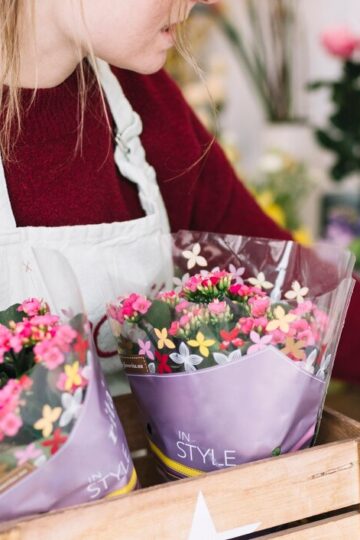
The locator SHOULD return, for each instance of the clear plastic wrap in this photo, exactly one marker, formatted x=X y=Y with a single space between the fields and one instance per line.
x=231 y=380
x=61 y=442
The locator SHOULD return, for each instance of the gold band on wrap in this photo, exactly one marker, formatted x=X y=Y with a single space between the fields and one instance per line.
x=130 y=486
x=184 y=470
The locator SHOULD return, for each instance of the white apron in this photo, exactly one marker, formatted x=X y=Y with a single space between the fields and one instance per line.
x=108 y=259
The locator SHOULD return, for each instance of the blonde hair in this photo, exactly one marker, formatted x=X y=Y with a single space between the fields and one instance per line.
x=12 y=14
x=11 y=21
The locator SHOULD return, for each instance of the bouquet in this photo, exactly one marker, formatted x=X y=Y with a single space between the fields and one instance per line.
x=61 y=442
x=232 y=365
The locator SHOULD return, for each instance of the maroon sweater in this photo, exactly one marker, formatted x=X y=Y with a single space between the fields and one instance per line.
x=51 y=185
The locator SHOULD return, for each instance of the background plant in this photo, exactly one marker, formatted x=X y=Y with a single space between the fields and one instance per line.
x=264 y=41
x=341 y=135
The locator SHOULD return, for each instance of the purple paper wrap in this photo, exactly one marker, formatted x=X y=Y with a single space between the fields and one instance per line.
x=94 y=462
x=220 y=417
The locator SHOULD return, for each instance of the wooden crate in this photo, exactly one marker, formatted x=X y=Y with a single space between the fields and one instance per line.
x=312 y=494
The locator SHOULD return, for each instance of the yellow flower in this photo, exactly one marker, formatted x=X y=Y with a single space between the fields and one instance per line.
x=202 y=343
x=73 y=377
x=275 y=212
x=164 y=341
x=302 y=236
x=49 y=416
x=265 y=200
x=295 y=348
x=281 y=320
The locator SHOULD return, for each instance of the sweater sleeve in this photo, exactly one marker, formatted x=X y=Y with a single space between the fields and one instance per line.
x=222 y=203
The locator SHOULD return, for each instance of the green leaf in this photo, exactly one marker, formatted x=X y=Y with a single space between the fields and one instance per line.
x=276 y=452
x=11 y=314
x=317 y=85
x=159 y=315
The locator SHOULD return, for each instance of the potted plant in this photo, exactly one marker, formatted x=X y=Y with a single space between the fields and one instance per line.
x=341 y=135
x=264 y=38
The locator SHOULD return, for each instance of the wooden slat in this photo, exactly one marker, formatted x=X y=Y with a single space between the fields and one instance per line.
x=273 y=492
x=335 y=426
x=344 y=527
x=130 y=417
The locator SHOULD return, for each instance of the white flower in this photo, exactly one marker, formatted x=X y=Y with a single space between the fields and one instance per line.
x=297 y=293
x=180 y=282
x=237 y=273
x=152 y=368
x=86 y=373
x=184 y=357
x=323 y=371
x=271 y=163
x=309 y=363
x=260 y=281
x=40 y=461
x=222 y=359
x=194 y=257
x=72 y=406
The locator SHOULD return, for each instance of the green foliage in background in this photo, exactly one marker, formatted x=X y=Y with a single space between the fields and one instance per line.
x=342 y=134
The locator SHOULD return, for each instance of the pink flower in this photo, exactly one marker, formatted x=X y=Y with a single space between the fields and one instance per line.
x=23 y=330
x=31 y=306
x=259 y=306
x=193 y=282
x=25 y=382
x=29 y=453
x=321 y=318
x=44 y=320
x=340 y=41
x=48 y=353
x=184 y=304
x=145 y=349
x=307 y=336
x=141 y=305
x=60 y=383
x=303 y=308
x=10 y=425
x=217 y=308
x=259 y=342
x=278 y=337
x=184 y=320
x=16 y=343
x=5 y=337
x=260 y=324
x=246 y=325
x=64 y=336
x=174 y=328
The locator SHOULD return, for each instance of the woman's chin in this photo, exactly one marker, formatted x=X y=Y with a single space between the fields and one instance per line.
x=150 y=65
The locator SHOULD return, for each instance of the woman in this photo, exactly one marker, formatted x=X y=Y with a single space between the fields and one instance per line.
x=61 y=186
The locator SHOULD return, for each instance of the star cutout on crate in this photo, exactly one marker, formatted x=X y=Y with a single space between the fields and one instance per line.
x=203 y=527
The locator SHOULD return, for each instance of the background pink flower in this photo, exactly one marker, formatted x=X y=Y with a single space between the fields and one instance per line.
x=48 y=353
x=340 y=41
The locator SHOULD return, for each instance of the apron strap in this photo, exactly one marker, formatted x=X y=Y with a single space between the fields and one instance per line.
x=129 y=153
x=7 y=219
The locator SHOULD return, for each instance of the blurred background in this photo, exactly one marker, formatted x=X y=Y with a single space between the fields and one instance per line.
x=284 y=81
x=284 y=76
